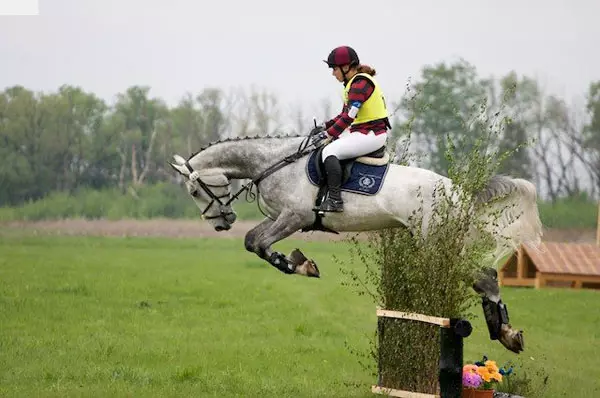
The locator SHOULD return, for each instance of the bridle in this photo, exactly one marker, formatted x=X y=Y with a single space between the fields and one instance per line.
x=195 y=176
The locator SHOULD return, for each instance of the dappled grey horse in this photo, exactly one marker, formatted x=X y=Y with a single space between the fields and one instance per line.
x=380 y=195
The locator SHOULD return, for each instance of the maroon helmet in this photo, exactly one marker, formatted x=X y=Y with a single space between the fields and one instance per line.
x=342 y=55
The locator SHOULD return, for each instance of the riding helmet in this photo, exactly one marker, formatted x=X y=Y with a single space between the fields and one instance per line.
x=343 y=55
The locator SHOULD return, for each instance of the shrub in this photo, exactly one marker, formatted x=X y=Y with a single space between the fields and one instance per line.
x=429 y=273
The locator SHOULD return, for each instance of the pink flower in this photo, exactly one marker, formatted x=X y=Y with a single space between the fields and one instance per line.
x=470 y=368
x=471 y=379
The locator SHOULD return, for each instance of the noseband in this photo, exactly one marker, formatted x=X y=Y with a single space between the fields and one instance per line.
x=195 y=176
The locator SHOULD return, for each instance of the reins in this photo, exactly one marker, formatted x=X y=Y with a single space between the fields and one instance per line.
x=304 y=149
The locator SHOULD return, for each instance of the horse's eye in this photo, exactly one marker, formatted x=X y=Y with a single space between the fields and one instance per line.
x=194 y=193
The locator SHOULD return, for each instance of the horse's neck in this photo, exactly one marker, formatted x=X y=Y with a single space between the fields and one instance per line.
x=244 y=158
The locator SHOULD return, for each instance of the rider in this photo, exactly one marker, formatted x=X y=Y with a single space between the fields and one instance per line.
x=360 y=128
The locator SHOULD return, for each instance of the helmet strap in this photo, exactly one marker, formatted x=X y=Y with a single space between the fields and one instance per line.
x=346 y=80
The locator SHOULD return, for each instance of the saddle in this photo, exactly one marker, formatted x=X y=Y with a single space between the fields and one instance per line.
x=379 y=157
x=361 y=175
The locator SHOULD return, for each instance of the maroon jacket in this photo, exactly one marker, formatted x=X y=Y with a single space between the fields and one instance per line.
x=360 y=90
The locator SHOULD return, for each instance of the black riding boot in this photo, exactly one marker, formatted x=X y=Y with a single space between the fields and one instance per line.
x=333 y=201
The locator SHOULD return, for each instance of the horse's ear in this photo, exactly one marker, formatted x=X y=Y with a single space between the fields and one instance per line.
x=180 y=169
x=179 y=159
x=179 y=165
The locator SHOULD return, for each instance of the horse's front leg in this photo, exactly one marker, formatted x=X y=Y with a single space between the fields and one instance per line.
x=495 y=312
x=251 y=238
x=260 y=239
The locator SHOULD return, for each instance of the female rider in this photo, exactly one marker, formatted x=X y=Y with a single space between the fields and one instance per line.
x=360 y=128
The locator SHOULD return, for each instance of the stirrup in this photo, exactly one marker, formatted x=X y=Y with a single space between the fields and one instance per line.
x=329 y=205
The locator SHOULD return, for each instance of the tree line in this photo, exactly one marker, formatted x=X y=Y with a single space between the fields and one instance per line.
x=70 y=139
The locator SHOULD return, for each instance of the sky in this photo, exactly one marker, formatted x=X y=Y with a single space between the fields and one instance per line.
x=179 y=46
x=183 y=46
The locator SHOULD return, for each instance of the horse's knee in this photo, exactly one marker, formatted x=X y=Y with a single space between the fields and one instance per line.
x=253 y=246
x=249 y=243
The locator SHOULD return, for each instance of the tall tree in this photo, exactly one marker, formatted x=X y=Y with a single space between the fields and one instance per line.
x=186 y=123
x=73 y=140
x=446 y=103
x=20 y=155
x=517 y=97
x=139 y=119
x=214 y=114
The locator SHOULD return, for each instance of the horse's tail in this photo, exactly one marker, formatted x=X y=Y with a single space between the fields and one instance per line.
x=514 y=213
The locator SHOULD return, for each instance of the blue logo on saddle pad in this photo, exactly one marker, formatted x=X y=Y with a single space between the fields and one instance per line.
x=364 y=179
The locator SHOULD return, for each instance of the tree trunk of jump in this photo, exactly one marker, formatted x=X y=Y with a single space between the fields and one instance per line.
x=423 y=279
x=408 y=350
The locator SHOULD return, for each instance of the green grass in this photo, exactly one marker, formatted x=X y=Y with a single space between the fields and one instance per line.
x=91 y=316
x=172 y=201
x=574 y=212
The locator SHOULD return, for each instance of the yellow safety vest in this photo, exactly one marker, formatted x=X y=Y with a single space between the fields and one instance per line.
x=374 y=108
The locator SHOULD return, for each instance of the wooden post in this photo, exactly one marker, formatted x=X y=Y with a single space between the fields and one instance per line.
x=452 y=333
x=520 y=263
x=451 y=357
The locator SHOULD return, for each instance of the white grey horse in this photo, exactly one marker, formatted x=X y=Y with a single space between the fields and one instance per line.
x=276 y=166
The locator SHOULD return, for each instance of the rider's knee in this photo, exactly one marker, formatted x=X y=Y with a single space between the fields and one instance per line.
x=328 y=151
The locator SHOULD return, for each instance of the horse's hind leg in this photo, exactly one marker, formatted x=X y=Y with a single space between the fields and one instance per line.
x=495 y=312
x=262 y=237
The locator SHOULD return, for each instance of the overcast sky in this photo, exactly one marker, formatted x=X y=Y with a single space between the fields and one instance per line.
x=185 y=45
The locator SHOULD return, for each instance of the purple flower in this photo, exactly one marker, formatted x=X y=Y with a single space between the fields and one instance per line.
x=471 y=379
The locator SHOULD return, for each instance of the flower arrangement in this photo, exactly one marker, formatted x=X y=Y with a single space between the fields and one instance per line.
x=483 y=375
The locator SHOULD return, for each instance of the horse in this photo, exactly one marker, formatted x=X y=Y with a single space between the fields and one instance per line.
x=377 y=194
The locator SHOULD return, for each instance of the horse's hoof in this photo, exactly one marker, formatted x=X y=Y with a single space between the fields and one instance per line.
x=512 y=339
x=308 y=268
x=304 y=266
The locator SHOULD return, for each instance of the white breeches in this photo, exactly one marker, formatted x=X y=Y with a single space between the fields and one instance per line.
x=352 y=145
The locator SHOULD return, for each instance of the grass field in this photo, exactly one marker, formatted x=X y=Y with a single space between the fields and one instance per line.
x=105 y=316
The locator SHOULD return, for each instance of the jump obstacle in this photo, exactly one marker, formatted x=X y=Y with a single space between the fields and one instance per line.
x=452 y=333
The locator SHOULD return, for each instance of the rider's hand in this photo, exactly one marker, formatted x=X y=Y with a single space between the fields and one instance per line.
x=319 y=137
x=316 y=130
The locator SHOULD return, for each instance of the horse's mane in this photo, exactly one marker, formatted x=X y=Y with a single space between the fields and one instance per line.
x=244 y=138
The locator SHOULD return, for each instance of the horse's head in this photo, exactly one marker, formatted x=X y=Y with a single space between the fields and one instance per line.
x=211 y=191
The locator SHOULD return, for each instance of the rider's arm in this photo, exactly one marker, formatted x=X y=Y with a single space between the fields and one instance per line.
x=360 y=90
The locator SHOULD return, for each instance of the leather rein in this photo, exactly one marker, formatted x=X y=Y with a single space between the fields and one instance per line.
x=303 y=150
